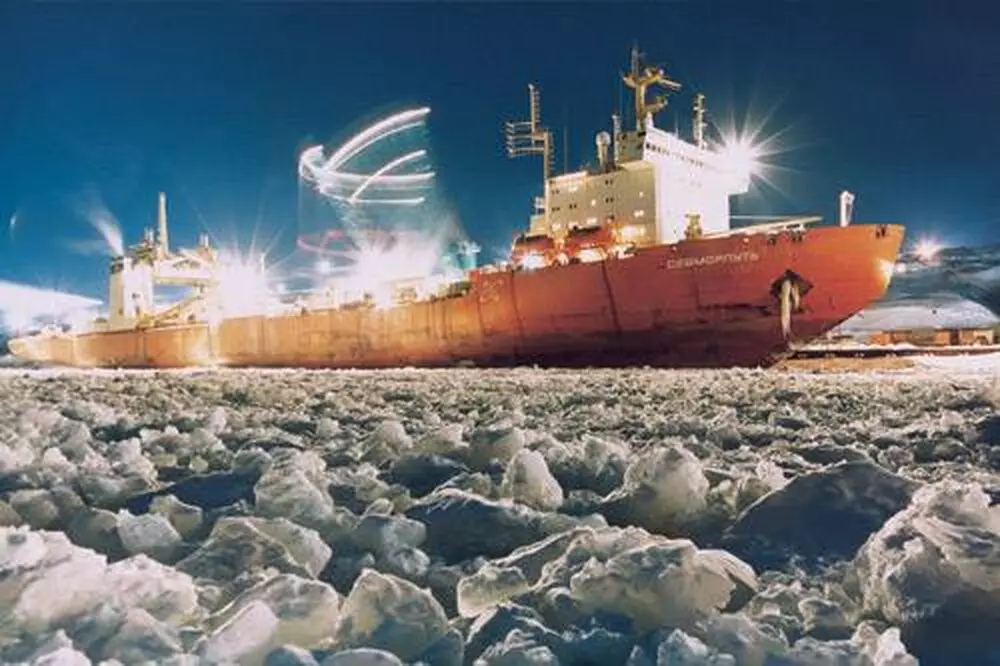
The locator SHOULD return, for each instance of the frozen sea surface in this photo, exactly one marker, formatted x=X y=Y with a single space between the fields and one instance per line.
x=501 y=517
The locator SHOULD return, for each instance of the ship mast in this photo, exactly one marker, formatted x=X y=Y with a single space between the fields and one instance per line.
x=640 y=79
x=528 y=137
x=699 y=120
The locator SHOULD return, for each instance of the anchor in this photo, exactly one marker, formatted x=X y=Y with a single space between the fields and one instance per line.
x=789 y=290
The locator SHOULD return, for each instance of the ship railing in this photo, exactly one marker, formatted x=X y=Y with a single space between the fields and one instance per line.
x=788 y=224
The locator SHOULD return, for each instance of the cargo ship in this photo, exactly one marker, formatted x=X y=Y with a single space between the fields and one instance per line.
x=631 y=261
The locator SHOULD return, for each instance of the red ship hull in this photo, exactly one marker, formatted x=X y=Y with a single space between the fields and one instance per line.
x=705 y=303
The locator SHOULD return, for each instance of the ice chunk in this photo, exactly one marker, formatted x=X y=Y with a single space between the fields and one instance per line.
x=666 y=584
x=409 y=563
x=36 y=507
x=680 y=649
x=528 y=480
x=303 y=544
x=150 y=534
x=245 y=639
x=933 y=570
x=384 y=535
x=141 y=638
x=443 y=441
x=890 y=651
x=15 y=456
x=49 y=580
x=291 y=494
x=518 y=650
x=653 y=580
x=489 y=587
x=597 y=464
x=62 y=657
x=664 y=491
x=824 y=618
x=392 y=614
x=423 y=472
x=387 y=442
x=290 y=655
x=307 y=611
x=494 y=444
x=493 y=626
x=217 y=420
x=186 y=519
x=822 y=514
x=8 y=516
x=240 y=544
x=362 y=657
x=96 y=529
x=163 y=592
x=129 y=460
x=748 y=643
x=461 y=525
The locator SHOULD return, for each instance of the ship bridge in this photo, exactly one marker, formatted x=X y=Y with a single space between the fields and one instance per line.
x=651 y=185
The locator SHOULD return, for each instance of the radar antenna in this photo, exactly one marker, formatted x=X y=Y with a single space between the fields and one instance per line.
x=699 y=120
x=640 y=79
x=528 y=137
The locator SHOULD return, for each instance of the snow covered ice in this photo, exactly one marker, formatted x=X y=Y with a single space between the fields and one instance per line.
x=480 y=518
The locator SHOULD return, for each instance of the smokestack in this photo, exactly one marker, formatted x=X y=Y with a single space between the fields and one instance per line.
x=162 y=224
x=846 y=207
x=603 y=140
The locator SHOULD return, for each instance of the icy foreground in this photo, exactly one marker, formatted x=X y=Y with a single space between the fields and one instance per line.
x=500 y=517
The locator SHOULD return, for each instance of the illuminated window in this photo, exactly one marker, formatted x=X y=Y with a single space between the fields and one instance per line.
x=593 y=202
x=639 y=213
x=591 y=220
x=642 y=194
x=632 y=232
x=574 y=188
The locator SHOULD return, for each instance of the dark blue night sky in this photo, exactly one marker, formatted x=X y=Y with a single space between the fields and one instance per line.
x=212 y=102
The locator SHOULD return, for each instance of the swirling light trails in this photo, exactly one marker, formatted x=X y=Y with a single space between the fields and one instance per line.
x=329 y=176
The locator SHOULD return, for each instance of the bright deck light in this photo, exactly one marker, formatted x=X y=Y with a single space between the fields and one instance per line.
x=740 y=156
x=927 y=249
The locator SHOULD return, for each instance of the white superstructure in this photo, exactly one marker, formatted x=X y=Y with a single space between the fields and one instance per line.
x=651 y=185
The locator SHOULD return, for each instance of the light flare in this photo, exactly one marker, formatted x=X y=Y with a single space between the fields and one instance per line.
x=927 y=249
x=242 y=285
x=741 y=156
